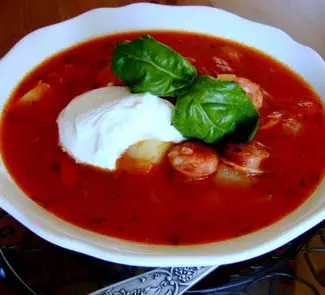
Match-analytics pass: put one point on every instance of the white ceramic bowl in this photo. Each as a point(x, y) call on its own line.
point(42, 43)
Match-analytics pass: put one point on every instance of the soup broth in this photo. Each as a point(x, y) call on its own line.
point(161, 207)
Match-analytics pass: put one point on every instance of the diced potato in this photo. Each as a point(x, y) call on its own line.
point(227, 77)
point(143, 156)
point(149, 150)
point(231, 177)
point(35, 93)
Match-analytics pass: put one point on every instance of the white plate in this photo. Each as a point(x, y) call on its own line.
point(38, 45)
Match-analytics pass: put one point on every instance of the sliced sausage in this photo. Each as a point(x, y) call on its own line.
point(248, 157)
point(193, 159)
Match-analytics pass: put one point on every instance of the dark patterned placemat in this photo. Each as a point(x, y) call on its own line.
point(40, 267)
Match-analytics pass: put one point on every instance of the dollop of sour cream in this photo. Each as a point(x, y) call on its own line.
point(98, 126)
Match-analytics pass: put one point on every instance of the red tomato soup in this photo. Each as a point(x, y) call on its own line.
point(161, 207)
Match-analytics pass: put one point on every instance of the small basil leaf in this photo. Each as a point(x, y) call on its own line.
point(213, 108)
point(150, 66)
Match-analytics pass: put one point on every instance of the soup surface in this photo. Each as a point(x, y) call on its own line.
point(161, 207)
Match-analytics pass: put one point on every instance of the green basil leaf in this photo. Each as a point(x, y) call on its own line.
point(150, 66)
point(212, 109)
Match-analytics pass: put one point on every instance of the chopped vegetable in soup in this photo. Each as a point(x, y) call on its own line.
point(208, 139)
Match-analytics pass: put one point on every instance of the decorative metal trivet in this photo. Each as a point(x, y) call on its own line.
point(39, 267)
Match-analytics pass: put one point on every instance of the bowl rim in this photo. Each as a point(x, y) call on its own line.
point(74, 238)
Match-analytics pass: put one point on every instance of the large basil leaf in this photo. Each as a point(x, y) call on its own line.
point(212, 108)
point(150, 66)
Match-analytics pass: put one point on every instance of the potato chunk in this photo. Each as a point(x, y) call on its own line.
point(35, 93)
point(229, 176)
point(143, 156)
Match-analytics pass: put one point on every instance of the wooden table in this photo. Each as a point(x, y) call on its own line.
point(302, 19)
